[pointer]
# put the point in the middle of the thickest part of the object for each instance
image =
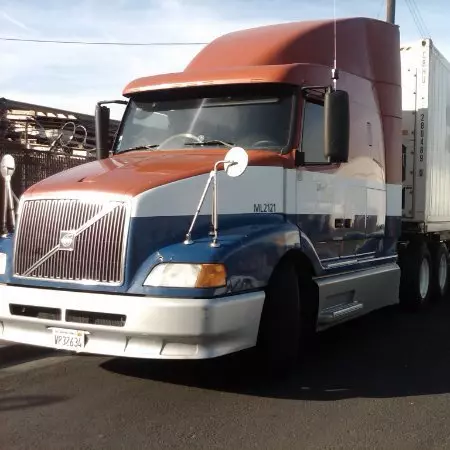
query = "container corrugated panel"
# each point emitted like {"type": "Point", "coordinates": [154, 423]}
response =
{"type": "Point", "coordinates": [426, 135]}
{"type": "Point", "coordinates": [437, 206]}
{"type": "Point", "coordinates": [409, 59]}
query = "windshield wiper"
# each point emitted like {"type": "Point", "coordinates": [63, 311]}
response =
{"type": "Point", "coordinates": [211, 142]}
{"type": "Point", "coordinates": [138, 147]}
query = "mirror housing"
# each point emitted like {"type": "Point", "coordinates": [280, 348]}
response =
{"type": "Point", "coordinates": [337, 126]}
{"type": "Point", "coordinates": [102, 131]}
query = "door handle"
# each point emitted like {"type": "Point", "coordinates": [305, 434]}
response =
{"type": "Point", "coordinates": [339, 223]}
{"type": "Point", "coordinates": [342, 223]}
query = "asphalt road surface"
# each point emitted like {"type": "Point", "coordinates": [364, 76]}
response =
{"type": "Point", "coordinates": [382, 382]}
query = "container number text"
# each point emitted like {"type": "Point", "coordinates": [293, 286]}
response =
{"type": "Point", "coordinates": [422, 136]}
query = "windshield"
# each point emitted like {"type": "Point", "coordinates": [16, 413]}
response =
{"type": "Point", "coordinates": [253, 120]}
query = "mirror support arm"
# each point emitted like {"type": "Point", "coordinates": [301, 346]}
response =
{"type": "Point", "coordinates": [235, 164]}
{"type": "Point", "coordinates": [188, 240]}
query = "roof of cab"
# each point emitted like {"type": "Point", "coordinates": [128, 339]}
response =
{"type": "Point", "coordinates": [367, 48]}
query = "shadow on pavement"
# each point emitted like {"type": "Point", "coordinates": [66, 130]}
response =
{"type": "Point", "coordinates": [24, 402]}
{"type": "Point", "coordinates": [386, 354]}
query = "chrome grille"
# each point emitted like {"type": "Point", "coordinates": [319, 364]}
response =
{"type": "Point", "coordinates": [98, 246]}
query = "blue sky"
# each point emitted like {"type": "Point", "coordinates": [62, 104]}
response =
{"type": "Point", "coordinates": [75, 77]}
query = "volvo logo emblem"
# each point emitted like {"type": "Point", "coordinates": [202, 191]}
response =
{"type": "Point", "coordinates": [67, 240]}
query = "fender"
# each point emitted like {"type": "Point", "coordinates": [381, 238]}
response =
{"type": "Point", "coordinates": [307, 248]}
{"type": "Point", "coordinates": [250, 252]}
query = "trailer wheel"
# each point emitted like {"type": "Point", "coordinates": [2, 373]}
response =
{"type": "Point", "coordinates": [279, 331]}
{"type": "Point", "coordinates": [439, 280]}
{"type": "Point", "coordinates": [416, 276]}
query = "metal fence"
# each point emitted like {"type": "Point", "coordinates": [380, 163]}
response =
{"type": "Point", "coordinates": [44, 141]}
{"type": "Point", "coordinates": [33, 166]}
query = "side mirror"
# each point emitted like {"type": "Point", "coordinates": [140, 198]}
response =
{"type": "Point", "coordinates": [337, 126]}
{"type": "Point", "coordinates": [236, 162]}
{"type": "Point", "coordinates": [102, 131]}
{"type": "Point", "coordinates": [7, 167]}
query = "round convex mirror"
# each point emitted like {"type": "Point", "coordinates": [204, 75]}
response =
{"type": "Point", "coordinates": [7, 166]}
{"type": "Point", "coordinates": [236, 162]}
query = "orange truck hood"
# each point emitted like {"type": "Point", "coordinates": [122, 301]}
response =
{"type": "Point", "coordinates": [136, 172]}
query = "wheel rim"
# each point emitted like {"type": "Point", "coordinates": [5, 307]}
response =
{"type": "Point", "coordinates": [424, 278]}
{"type": "Point", "coordinates": [443, 272]}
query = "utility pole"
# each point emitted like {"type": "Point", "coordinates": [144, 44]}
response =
{"type": "Point", "coordinates": [390, 11]}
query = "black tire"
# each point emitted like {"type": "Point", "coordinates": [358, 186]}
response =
{"type": "Point", "coordinates": [279, 330]}
{"type": "Point", "coordinates": [439, 279]}
{"type": "Point", "coordinates": [412, 296]}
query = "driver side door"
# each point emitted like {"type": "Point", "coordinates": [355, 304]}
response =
{"type": "Point", "coordinates": [331, 208]}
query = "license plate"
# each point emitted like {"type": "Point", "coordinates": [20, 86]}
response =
{"type": "Point", "coordinates": [73, 340]}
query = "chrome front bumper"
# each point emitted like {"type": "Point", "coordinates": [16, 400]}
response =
{"type": "Point", "coordinates": [155, 328]}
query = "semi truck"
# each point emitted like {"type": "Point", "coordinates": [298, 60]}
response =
{"type": "Point", "coordinates": [291, 178]}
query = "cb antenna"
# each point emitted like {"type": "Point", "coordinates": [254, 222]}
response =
{"type": "Point", "coordinates": [335, 70]}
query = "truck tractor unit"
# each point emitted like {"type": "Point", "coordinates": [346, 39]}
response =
{"type": "Point", "coordinates": [290, 179]}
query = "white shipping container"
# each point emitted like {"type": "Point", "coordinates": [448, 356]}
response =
{"type": "Point", "coordinates": [426, 136]}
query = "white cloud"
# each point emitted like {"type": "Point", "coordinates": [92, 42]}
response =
{"type": "Point", "coordinates": [75, 76]}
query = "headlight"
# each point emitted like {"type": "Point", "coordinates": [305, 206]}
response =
{"type": "Point", "coordinates": [2, 263]}
{"type": "Point", "coordinates": [187, 275]}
